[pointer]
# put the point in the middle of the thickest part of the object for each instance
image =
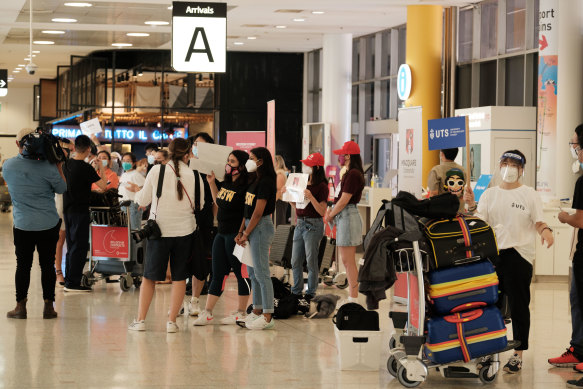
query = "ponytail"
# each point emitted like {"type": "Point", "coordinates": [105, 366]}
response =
{"type": "Point", "coordinates": [178, 149]}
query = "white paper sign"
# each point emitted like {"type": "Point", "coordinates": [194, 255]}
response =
{"type": "Point", "coordinates": [91, 127]}
{"type": "Point", "coordinates": [410, 150]}
{"type": "Point", "coordinates": [243, 254]}
{"type": "Point", "coordinates": [199, 37]}
{"type": "Point", "coordinates": [294, 188]}
{"type": "Point", "coordinates": [211, 158]}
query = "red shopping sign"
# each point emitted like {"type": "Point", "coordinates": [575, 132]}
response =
{"type": "Point", "coordinates": [110, 242]}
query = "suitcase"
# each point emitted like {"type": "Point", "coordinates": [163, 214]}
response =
{"type": "Point", "coordinates": [451, 290]}
{"type": "Point", "coordinates": [465, 336]}
{"type": "Point", "coordinates": [281, 248]}
{"type": "Point", "coordinates": [459, 240]}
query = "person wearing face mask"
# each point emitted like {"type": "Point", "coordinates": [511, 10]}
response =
{"type": "Point", "coordinates": [310, 226]}
{"type": "Point", "coordinates": [574, 354]}
{"type": "Point", "coordinates": [205, 220]}
{"type": "Point", "coordinates": [515, 212]}
{"type": "Point", "coordinates": [130, 182]}
{"type": "Point", "coordinates": [161, 157]}
{"type": "Point", "coordinates": [151, 149]}
{"type": "Point", "coordinates": [104, 159]}
{"type": "Point", "coordinates": [116, 163]}
{"type": "Point", "coordinates": [229, 199]}
{"type": "Point", "coordinates": [346, 216]}
{"type": "Point", "coordinates": [257, 230]}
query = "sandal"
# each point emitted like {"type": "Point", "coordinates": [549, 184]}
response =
{"type": "Point", "coordinates": [60, 274]}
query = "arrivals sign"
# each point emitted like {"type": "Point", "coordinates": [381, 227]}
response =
{"type": "Point", "coordinates": [447, 133]}
{"type": "Point", "coordinates": [199, 37]}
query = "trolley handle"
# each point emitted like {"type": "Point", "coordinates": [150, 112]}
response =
{"type": "Point", "coordinates": [465, 307]}
{"type": "Point", "coordinates": [465, 317]}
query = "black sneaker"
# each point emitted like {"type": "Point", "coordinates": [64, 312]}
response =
{"type": "Point", "coordinates": [78, 289]}
{"type": "Point", "coordinates": [514, 365]}
{"type": "Point", "coordinates": [575, 383]}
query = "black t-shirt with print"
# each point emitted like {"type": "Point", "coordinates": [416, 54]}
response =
{"type": "Point", "coordinates": [578, 204]}
{"type": "Point", "coordinates": [80, 175]}
{"type": "Point", "coordinates": [231, 204]}
{"type": "Point", "coordinates": [263, 189]}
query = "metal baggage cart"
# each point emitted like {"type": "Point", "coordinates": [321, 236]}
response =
{"type": "Point", "coordinates": [113, 250]}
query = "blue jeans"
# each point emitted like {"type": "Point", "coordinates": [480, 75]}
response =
{"type": "Point", "coordinates": [307, 237]}
{"type": "Point", "coordinates": [135, 216]}
{"type": "Point", "coordinates": [260, 240]}
{"type": "Point", "coordinates": [576, 312]}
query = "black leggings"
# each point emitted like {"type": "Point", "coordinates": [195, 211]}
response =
{"type": "Point", "coordinates": [515, 274]}
{"type": "Point", "coordinates": [223, 262]}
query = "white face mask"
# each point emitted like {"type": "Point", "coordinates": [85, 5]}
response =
{"type": "Point", "coordinates": [86, 159]}
{"type": "Point", "coordinates": [151, 159]}
{"type": "Point", "coordinates": [307, 169]}
{"type": "Point", "coordinates": [509, 174]}
{"type": "Point", "coordinates": [574, 153]}
{"type": "Point", "coordinates": [251, 166]}
{"type": "Point", "coordinates": [195, 151]}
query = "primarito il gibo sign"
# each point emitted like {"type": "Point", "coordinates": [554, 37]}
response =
{"type": "Point", "coordinates": [199, 37]}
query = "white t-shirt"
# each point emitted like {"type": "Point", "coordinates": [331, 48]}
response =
{"type": "Point", "coordinates": [132, 176]}
{"type": "Point", "coordinates": [175, 218]}
{"type": "Point", "coordinates": [513, 213]}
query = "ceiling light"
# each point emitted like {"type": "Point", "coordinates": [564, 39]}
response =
{"type": "Point", "coordinates": [121, 44]}
{"type": "Point", "coordinates": [43, 43]}
{"type": "Point", "coordinates": [318, 12]}
{"type": "Point", "coordinates": [238, 43]}
{"type": "Point", "coordinates": [251, 38]}
{"type": "Point", "coordinates": [299, 20]}
{"type": "Point", "coordinates": [137, 34]}
{"type": "Point", "coordinates": [21, 66]}
{"type": "Point", "coordinates": [64, 20]}
{"type": "Point", "coordinates": [77, 4]}
{"type": "Point", "coordinates": [156, 23]}
{"type": "Point", "coordinates": [280, 26]}
{"type": "Point", "coordinates": [36, 52]}
{"type": "Point", "coordinates": [54, 32]}
{"type": "Point", "coordinates": [16, 71]}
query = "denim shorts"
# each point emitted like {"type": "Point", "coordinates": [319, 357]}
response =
{"type": "Point", "coordinates": [158, 251]}
{"type": "Point", "coordinates": [348, 227]}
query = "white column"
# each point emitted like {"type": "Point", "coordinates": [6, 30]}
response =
{"type": "Point", "coordinates": [337, 87]}
{"type": "Point", "coordinates": [569, 91]}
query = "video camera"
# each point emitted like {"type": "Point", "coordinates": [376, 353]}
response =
{"type": "Point", "coordinates": [42, 145]}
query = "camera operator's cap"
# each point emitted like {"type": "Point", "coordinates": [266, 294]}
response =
{"type": "Point", "coordinates": [24, 132]}
{"type": "Point", "coordinates": [349, 147]}
{"type": "Point", "coordinates": [315, 159]}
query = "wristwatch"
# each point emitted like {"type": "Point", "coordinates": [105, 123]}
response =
{"type": "Point", "coordinates": [547, 228]}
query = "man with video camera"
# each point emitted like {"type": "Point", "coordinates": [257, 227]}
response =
{"type": "Point", "coordinates": [33, 178]}
{"type": "Point", "coordinates": [80, 175]}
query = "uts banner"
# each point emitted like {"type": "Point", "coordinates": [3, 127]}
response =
{"type": "Point", "coordinates": [199, 37]}
{"type": "Point", "coordinates": [410, 150]}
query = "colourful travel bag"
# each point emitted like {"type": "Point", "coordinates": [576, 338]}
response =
{"type": "Point", "coordinates": [457, 288]}
{"type": "Point", "coordinates": [466, 335]}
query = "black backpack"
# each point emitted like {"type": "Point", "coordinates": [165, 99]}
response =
{"type": "Point", "coordinates": [445, 205]}
{"type": "Point", "coordinates": [285, 307]}
{"type": "Point", "coordinates": [353, 317]}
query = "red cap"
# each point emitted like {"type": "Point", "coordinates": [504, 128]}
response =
{"type": "Point", "coordinates": [315, 159]}
{"type": "Point", "coordinates": [349, 147]}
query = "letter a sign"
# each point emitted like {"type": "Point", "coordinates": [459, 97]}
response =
{"type": "Point", "coordinates": [199, 37]}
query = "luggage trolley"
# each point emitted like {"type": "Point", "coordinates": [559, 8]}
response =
{"type": "Point", "coordinates": [407, 361]}
{"type": "Point", "coordinates": [113, 251]}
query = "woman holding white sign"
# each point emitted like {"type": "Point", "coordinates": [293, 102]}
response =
{"type": "Point", "coordinates": [345, 213]}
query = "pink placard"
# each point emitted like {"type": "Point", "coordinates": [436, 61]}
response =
{"type": "Point", "coordinates": [271, 127]}
{"type": "Point", "coordinates": [245, 140]}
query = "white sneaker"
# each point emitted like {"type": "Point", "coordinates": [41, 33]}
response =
{"type": "Point", "coordinates": [261, 324]}
{"type": "Point", "coordinates": [194, 307]}
{"type": "Point", "coordinates": [137, 325]}
{"type": "Point", "coordinates": [244, 322]}
{"type": "Point", "coordinates": [171, 327]}
{"type": "Point", "coordinates": [204, 318]}
{"type": "Point", "coordinates": [233, 318]}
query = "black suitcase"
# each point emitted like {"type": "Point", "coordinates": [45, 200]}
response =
{"type": "Point", "coordinates": [459, 240]}
{"type": "Point", "coordinates": [281, 248]}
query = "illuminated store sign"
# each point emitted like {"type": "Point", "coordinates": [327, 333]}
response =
{"type": "Point", "coordinates": [122, 134]}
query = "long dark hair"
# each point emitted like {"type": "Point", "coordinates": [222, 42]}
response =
{"type": "Point", "coordinates": [318, 175]}
{"type": "Point", "coordinates": [356, 163]}
{"type": "Point", "coordinates": [242, 157]}
{"type": "Point", "coordinates": [178, 148]}
{"type": "Point", "coordinates": [579, 132]}
{"type": "Point", "coordinates": [266, 170]}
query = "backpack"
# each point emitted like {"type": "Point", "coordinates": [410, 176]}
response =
{"type": "Point", "coordinates": [445, 205]}
{"type": "Point", "coordinates": [285, 307]}
{"type": "Point", "coordinates": [353, 317]}
{"type": "Point", "coordinates": [280, 289]}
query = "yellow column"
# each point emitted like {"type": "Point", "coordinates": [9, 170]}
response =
{"type": "Point", "coordinates": [423, 55]}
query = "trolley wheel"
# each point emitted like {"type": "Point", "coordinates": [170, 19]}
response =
{"type": "Point", "coordinates": [137, 282]}
{"type": "Point", "coordinates": [393, 366]}
{"type": "Point", "coordinates": [329, 283]}
{"type": "Point", "coordinates": [125, 282]}
{"type": "Point", "coordinates": [344, 285]}
{"type": "Point", "coordinates": [392, 343]}
{"type": "Point", "coordinates": [86, 279]}
{"type": "Point", "coordinates": [485, 377]}
{"type": "Point", "coordinates": [403, 380]}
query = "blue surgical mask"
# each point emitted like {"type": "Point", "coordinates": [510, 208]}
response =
{"type": "Point", "coordinates": [151, 159]}
{"type": "Point", "coordinates": [126, 166]}
{"type": "Point", "coordinates": [581, 164]}
{"type": "Point", "coordinates": [195, 151]}
{"type": "Point", "coordinates": [104, 162]}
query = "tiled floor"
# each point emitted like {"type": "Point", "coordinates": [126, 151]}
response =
{"type": "Point", "coordinates": [88, 346]}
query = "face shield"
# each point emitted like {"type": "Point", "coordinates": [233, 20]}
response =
{"type": "Point", "coordinates": [511, 169]}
